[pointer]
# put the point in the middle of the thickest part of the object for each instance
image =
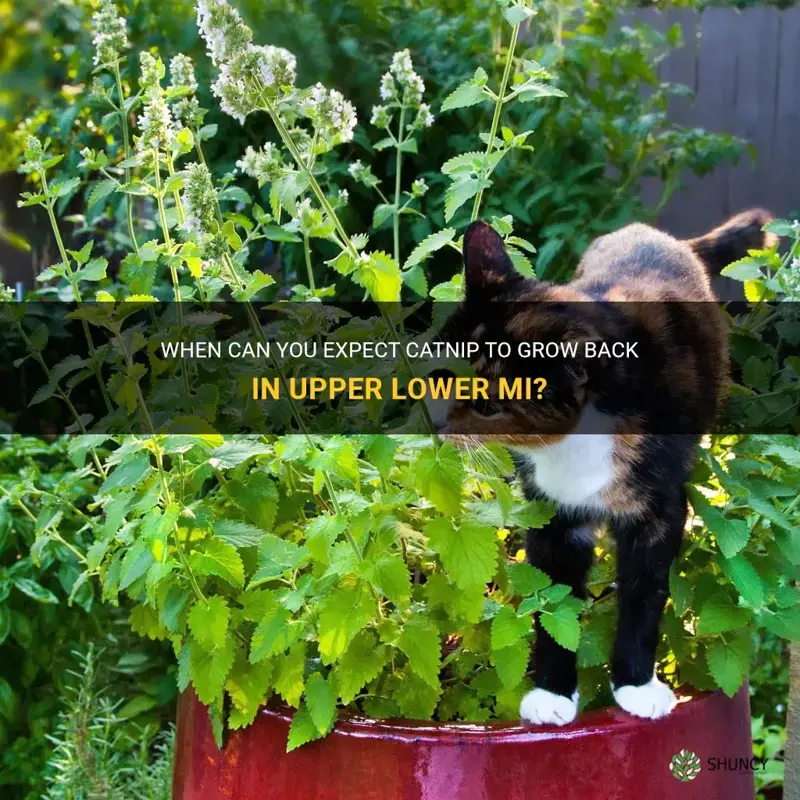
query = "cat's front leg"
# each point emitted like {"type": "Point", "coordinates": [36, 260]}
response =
{"type": "Point", "coordinates": [563, 550]}
{"type": "Point", "coordinates": [646, 548]}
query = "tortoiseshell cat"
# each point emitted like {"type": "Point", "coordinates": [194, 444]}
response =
{"type": "Point", "coordinates": [613, 440]}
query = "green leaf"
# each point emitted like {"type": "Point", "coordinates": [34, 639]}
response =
{"type": "Point", "coordinates": [745, 578]}
{"type": "Point", "coordinates": [302, 730]}
{"type": "Point", "coordinates": [459, 192]}
{"type": "Point", "coordinates": [100, 190]}
{"type": "Point", "coordinates": [35, 591]}
{"type": "Point", "coordinates": [94, 271]}
{"type": "Point", "coordinates": [247, 685]}
{"type": "Point", "coordinates": [238, 534]}
{"type": "Point", "coordinates": [276, 556]}
{"type": "Point", "coordinates": [320, 700]}
{"type": "Point", "coordinates": [235, 452]}
{"type": "Point", "coordinates": [129, 473]}
{"type": "Point", "coordinates": [784, 623]}
{"type": "Point", "coordinates": [209, 669]}
{"type": "Point", "coordinates": [511, 663]}
{"type": "Point", "coordinates": [467, 94]}
{"type": "Point", "coordinates": [343, 613]}
{"type": "Point", "coordinates": [215, 557]}
{"type": "Point", "coordinates": [209, 621]}
{"type": "Point", "coordinates": [360, 664]}
{"type": "Point", "coordinates": [526, 579]}
{"type": "Point", "coordinates": [563, 625]}
{"type": "Point", "coordinates": [436, 241]}
{"type": "Point", "coordinates": [439, 476]}
{"type": "Point", "coordinates": [729, 661]}
{"type": "Point", "coordinates": [383, 211]}
{"type": "Point", "coordinates": [390, 575]}
{"type": "Point", "coordinates": [419, 640]}
{"type": "Point", "coordinates": [517, 14]}
{"type": "Point", "coordinates": [508, 628]}
{"type": "Point", "coordinates": [380, 451]}
{"type": "Point", "coordinates": [379, 274]}
{"type": "Point", "coordinates": [290, 674]}
{"type": "Point", "coordinates": [719, 615]}
{"type": "Point", "coordinates": [274, 635]}
{"type": "Point", "coordinates": [469, 553]}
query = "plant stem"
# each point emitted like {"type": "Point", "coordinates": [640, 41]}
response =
{"type": "Point", "coordinates": [49, 202]}
{"type": "Point", "coordinates": [309, 270]}
{"type": "Point", "coordinates": [127, 148]}
{"type": "Point", "coordinates": [176, 283]}
{"type": "Point", "coordinates": [398, 166]}
{"type": "Point", "coordinates": [498, 108]}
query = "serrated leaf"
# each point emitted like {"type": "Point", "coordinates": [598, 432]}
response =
{"type": "Point", "coordinates": [235, 452]}
{"type": "Point", "coordinates": [459, 192]}
{"type": "Point", "coordinates": [274, 635]}
{"type": "Point", "coordinates": [419, 640]}
{"type": "Point", "coordinates": [215, 557]}
{"type": "Point", "coordinates": [390, 575]}
{"type": "Point", "coordinates": [467, 94]}
{"type": "Point", "coordinates": [248, 686]}
{"type": "Point", "coordinates": [563, 625]}
{"type": "Point", "coordinates": [436, 241]}
{"type": "Point", "coordinates": [320, 699]}
{"type": "Point", "coordinates": [130, 473]}
{"type": "Point", "coordinates": [747, 581]}
{"type": "Point", "coordinates": [360, 664]}
{"type": "Point", "coordinates": [718, 615]}
{"type": "Point", "coordinates": [439, 477]}
{"type": "Point", "coordinates": [511, 663]}
{"type": "Point", "coordinates": [302, 730]}
{"type": "Point", "coordinates": [383, 211]}
{"type": "Point", "coordinates": [729, 661]}
{"type": "Point", "coordinates": [290, 674]}
{"type": "Point", "coordinates": [508, 628]}
{"type": "Point", "coordinates": [209, 670]}
{"type": "Point", "coordinates": [276, 556]}
{"type": "Point", "coordinates": [100, 190]}
{"type": "Point", "coordinates": [469, 553]}
{"type": "Point", "coordinates": [526, 579]}
{"type": "Point", "coordinates": [343, 613]}
{"type": "Point", "coordinates": [208, 622]}
{"type": "Point", "coordinates": [238, 534]}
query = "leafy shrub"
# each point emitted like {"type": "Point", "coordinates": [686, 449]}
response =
{"type": "Point", "coordinates": [380, 573]}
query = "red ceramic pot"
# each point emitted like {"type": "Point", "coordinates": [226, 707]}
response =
{"type": "Point", "coordinates": [604, 755]}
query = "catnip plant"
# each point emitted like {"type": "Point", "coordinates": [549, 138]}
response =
{"type": "Point", "coordinates": [384, 574]}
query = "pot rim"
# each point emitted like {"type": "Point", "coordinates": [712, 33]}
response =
{"type": "Point", "coordinates": [601, 722]}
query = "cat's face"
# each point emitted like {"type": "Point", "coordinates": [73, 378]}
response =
{"type": "Point", "coordinates": [502, 306]}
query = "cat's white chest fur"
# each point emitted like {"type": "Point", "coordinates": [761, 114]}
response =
{"type": "Point", "coordinates": [576, 471]}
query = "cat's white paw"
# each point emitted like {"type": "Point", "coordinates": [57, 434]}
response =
{"type": "Point", "coordinates": [651, 700]}
{"type": "Point", "coordinates": [545, 708]}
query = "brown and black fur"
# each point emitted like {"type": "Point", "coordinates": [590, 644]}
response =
{"type": "Point", "coordinates": [637, 284]}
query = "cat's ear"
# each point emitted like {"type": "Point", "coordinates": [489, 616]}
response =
{"type": "Point", "coordinates": [486, 263]}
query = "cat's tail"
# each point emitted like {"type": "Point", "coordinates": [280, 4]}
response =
{"type": "Point", "coordinates": [730, 241]}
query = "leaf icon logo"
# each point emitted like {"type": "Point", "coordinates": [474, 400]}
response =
{"type": "Point", "coordinates": [685, 766]}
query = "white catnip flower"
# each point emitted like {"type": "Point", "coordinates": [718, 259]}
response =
{"type": "Point", "coordinates": [424, 118]}
{"type": "Point", "coordinates": [187, 109]}
{"type": "Point", "coordinates": [333, 117]}
{"type": "Point", "coordinates": [152, 71]}
{"type": "Point", "coordinates": [263, 165]}
{"type": "Point", "coordinates": [6, 294]}
{"type": "Point", "coordinates": [381, 118]}
{"type": "Point", "coordinates": [388, 87]}
{"type": "Point", "coordinates": [250, 74]}
{"type": "Point", "coordinates": [181, 73]}
{"type": "Point", "coordinates": [109, 35]}
{"type": "Point", "coordinates": [223, 30]}
{"type": "Point", "coordinates": [419, 188]}
{"type": "Point", "coordinates": [362, 174]}
{"type": "Point", "coordinates": [344, 196]}
{"type": "Point", "coordinates": [199, 200]}
{"type": "Point", "coordinates": [156, 125]}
